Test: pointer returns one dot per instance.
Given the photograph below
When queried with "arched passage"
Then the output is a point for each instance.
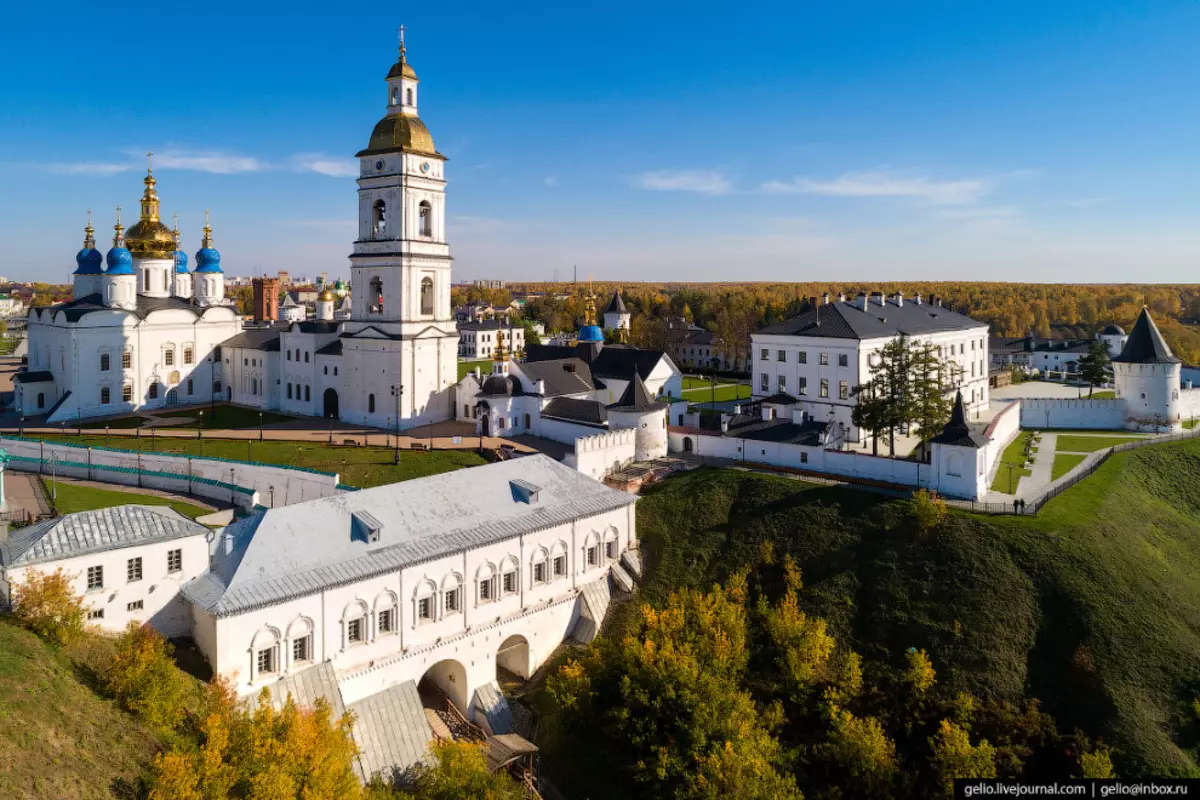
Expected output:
(513, 657)
(485, 427)
(687, 444)
(444, 680)
(331, 404)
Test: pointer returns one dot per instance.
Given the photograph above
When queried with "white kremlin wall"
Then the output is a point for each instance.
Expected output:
(602, 453)
(1047, 412)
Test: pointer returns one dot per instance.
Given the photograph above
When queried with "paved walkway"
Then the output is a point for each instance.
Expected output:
(22, 493)
(1043, 467)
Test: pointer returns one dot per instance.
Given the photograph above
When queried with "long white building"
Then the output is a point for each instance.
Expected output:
(820, 355)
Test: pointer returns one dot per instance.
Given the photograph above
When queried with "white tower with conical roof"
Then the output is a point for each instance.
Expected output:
(1147, 376)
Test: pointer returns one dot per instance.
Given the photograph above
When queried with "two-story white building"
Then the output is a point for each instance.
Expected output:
(480, 339)
(821, 354)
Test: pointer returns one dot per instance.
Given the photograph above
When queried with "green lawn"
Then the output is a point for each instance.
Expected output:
(73, 497)
(1006, 479)
(1188, 424)
(356, 466)
(1091, 606)
(1106, 394)
(121, 423)
(1088, 444)
(484, 364)
(1064, 463)
(738, 391)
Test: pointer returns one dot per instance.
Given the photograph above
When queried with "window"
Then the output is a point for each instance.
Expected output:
(133, 569)
(593, 555)
(450, 601)
(526, 420)
(843, 360)
(190, 386)
(302, 649)
(307, 393)
(764, 382)
(169, 357)
(379, 218)
(175, 561)
(387, 618)
(127, 360)
(189, 355)
(305, 356)
(104, 362)
(95, 578)
(426, 295)
(485, 590)
(408, 96)
(289, 355)
(824, 387)
(610, 549)
(153, 391)
(560, 566)
(803, 386)
(396, 96)
(371, 403)
(41, 400)
(803, 457)
(136, 605)
(783, 383)
(765, 355)
(354, 631)
(539, 572)
(843, 390)
(105, 395)
(824, 360)
(266, 661)
(97, 613)
(802, 357)
(781, 356)
(425, 219)
(289, 391)
(510, 582)
(972, 344)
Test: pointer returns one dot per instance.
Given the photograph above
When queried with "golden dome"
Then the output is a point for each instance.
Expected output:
(326, 296)
(400, 132)
(402, 69)
(148, 236)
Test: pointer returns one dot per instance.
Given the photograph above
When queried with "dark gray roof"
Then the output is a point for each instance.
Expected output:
(74, 310)
(1145, 344)
(314, 326)
(561, 376)
(334, 348)
(1062, 346)
(805, 433)
(39, 376)
(589, 412)
(1112, 330)
(501, 386)
(780, 399)
(267, 340)
(637, 397)
(616, 305)
(95, 531)
(301, 549)
(848, 320)
(610, 362)
(958, 431)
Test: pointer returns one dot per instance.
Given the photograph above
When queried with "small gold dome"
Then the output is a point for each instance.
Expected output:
(148, 237)
(400, 132)
(326, 296)
(402, 69)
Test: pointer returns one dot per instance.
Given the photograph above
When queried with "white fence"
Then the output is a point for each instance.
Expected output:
(243, 483)
(1044, 412)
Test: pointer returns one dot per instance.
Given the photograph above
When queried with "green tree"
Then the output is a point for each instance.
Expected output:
(955, 757)
(1095, 367)
(802, 643)
(928, 510)
(46, 604)
(862, 751)
(143, 677)
(928, 381)
(871, 410)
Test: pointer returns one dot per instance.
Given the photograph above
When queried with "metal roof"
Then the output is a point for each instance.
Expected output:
(95, 531)
(1145, 344)
(849, 320)
(301, 549)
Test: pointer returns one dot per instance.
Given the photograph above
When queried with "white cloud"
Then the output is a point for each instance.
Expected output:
(550, 180)
(86, 168)
(321, 164)
(205, 161)
(695, 180)
(886, 184)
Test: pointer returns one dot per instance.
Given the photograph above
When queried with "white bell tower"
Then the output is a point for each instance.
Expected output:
(401, 339)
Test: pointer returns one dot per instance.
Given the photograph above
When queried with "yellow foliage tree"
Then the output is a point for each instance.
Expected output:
(802, 642)
(1096, 764)
(861, 748)
(46, 604)
(928, 510)
(143, 677)
(459, 772)
(918, 672)
(955, 757)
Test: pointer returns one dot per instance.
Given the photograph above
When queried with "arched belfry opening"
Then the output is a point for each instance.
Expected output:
(425, 218)
(426, 295)
(379, 218)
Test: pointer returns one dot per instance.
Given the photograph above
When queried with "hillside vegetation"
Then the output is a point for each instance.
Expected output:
(1093, 607)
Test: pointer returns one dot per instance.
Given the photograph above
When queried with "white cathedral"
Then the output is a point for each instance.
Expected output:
(147, 333)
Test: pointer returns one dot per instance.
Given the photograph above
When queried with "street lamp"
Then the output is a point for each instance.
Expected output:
(106, 435)
(271, 489)
(260, 426)
(231, 496)
(397, 391)
(54, 478)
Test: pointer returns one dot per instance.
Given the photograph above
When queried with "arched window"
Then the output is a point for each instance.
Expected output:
(452, 594)
(426, 295)
(127, 393)
(289, 391)
(485, 582)
(41, 399)
(154, 390)
(408, 96)
(354, 624)
(371, 403)
(611, 544)
(169, 357)
(425, 219)
(307, 393)
(540, 566)
(424, 599)
(387, 614)
(396, 96)
(510, 576)
(264, 654)
(558, 559)
(104, 362)
(527, 422)
(376, 298)
(127, 359)
(104, 395)
(189, 354)
(379, 218)
(305, 356)
(300, 643)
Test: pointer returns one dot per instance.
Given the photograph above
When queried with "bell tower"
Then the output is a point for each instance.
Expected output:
(400, 266)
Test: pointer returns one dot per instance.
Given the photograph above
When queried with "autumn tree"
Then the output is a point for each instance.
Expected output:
(955, 757)
(861, 748)
(802, 644)
(46, 604)
(143, 676)
(927, 509)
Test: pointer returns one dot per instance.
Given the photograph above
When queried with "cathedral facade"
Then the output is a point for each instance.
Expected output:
(143, 332)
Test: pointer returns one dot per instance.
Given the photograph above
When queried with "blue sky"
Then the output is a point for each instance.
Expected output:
(640, 141)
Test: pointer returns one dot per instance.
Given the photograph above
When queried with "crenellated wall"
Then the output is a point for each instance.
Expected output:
(602, 453)
(1043, 412)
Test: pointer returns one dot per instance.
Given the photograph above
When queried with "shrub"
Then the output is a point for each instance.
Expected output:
(143, 677)
(46, 604)
(928, 510)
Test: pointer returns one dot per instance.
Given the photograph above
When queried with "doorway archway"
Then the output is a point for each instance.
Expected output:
(687, 444)
(445, 679)
(513, 657)
(486, 428)
(331, 404)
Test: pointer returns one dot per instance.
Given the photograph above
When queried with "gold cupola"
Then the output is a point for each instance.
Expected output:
(149, 237)
(401, 129)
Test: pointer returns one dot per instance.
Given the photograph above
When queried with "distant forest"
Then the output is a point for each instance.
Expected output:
(734, 310)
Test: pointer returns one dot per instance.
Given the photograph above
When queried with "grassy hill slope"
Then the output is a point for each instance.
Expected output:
(1093, 606)
(58, 738)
